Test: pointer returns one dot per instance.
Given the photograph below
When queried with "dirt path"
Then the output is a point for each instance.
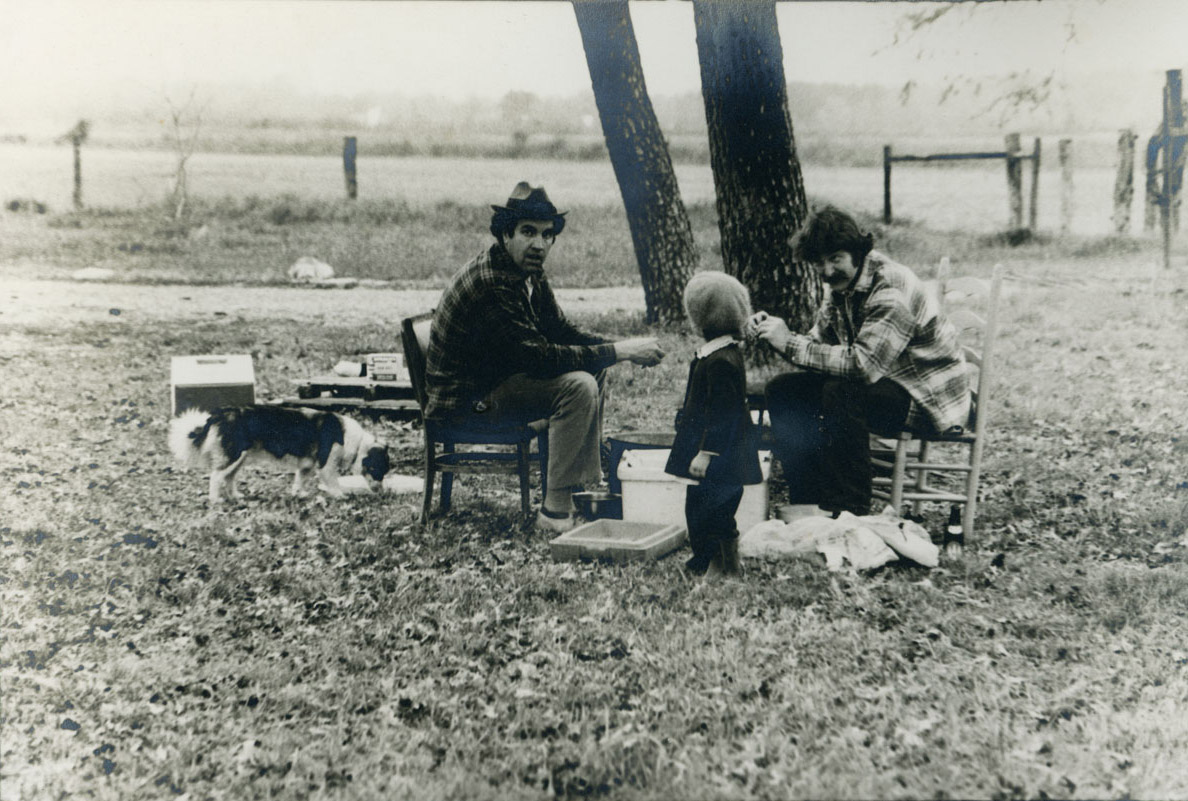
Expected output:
(45, 302)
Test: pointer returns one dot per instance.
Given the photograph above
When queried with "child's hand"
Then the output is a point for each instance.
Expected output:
(700, 463)
(751, 329)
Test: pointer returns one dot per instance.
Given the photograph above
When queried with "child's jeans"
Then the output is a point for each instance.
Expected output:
(709, 515)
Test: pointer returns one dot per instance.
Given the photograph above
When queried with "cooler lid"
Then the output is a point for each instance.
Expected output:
(648, 465)
(212, 369)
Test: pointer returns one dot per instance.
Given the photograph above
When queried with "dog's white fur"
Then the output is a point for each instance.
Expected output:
(224, 440)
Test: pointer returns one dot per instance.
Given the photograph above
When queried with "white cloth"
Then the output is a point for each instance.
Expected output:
(863, 542)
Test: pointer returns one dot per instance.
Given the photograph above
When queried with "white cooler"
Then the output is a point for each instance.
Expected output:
(652, 496)
(207, 382)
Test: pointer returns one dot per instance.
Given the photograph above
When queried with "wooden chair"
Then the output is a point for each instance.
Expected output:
(414, 336)
(919, 467)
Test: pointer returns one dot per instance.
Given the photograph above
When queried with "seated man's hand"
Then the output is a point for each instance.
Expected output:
(640, 350)
(773, 331)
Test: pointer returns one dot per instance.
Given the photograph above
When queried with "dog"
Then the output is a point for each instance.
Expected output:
(302, 440)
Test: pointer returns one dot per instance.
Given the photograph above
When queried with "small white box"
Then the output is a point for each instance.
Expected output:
(386, 367)
(652, 496)
(208, 382)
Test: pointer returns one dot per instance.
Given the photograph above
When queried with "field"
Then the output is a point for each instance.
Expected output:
(307, 648)
(971, 196)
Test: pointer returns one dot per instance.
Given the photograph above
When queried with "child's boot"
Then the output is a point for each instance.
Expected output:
(699, 563)
(725, 561)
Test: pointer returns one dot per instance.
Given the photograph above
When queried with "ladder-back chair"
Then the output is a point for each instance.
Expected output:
(918, 467)
(414, 336)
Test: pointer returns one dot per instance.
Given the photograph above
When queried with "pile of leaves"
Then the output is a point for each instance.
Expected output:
(310, 648)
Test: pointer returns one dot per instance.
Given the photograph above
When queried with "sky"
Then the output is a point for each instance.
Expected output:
(97, 48)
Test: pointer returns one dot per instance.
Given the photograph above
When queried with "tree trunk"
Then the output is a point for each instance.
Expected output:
(757, 178)
(660, 229)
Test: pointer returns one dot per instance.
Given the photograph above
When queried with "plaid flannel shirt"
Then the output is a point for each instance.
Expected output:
(486, 328)
(888, 326)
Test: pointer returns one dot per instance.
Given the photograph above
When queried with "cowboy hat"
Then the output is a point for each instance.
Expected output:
(531, 203)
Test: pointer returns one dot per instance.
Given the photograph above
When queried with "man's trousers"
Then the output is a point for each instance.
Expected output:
(821, 428)
(572, 403)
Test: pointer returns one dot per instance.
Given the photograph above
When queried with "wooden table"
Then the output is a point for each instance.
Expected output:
(393, 400)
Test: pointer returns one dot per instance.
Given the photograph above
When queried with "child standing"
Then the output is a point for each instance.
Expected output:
(715, 438)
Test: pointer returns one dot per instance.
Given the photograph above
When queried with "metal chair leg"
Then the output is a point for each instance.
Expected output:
(447, 480)
(430, 469)
(522, 472)
(542, 446)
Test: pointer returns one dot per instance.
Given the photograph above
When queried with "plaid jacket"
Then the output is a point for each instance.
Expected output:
(888, 326)
(486, 329)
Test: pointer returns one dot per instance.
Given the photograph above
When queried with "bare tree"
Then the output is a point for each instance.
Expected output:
(660, 229)
(185, 126)
(757, 177)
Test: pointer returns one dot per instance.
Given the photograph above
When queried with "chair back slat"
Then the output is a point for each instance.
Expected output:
(414, 336)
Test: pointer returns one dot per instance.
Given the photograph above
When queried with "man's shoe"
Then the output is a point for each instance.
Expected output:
(555, 525)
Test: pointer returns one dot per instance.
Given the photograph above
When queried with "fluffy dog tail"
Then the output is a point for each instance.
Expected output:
(187, 432)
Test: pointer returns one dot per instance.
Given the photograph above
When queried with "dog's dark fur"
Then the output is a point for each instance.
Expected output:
(298, 439)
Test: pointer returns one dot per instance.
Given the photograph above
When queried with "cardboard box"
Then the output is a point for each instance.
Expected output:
(208, 382)
(652, 496)
(617, 540)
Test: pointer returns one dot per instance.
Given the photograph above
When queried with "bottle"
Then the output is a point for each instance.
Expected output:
(954, 533)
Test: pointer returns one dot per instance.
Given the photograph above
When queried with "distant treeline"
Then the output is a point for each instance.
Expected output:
(833, 124)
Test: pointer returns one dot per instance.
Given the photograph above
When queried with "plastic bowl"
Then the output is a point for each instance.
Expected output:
(598, 504)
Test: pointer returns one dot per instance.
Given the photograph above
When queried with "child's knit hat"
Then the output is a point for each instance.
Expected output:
(717, 304)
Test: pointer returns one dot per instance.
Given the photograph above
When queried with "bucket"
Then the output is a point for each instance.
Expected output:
(596, 505)
(633, 441)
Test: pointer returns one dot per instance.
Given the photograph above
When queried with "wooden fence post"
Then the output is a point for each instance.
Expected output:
(1173, 122)
(1014, 180)
(1035, 174)
(348, 166)
(77, 143)
(1066, 186)
(1124, 182)
(886, 184)
(1174, 161)
(1151, 196)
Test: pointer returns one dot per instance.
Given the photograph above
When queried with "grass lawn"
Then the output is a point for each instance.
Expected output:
(333, 649)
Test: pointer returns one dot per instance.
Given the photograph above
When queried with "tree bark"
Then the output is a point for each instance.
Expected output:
(660, 229)
(759, 186)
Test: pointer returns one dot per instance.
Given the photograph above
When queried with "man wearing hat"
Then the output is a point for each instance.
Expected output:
(501, 353)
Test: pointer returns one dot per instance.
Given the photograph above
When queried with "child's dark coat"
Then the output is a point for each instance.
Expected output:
(714, 417)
